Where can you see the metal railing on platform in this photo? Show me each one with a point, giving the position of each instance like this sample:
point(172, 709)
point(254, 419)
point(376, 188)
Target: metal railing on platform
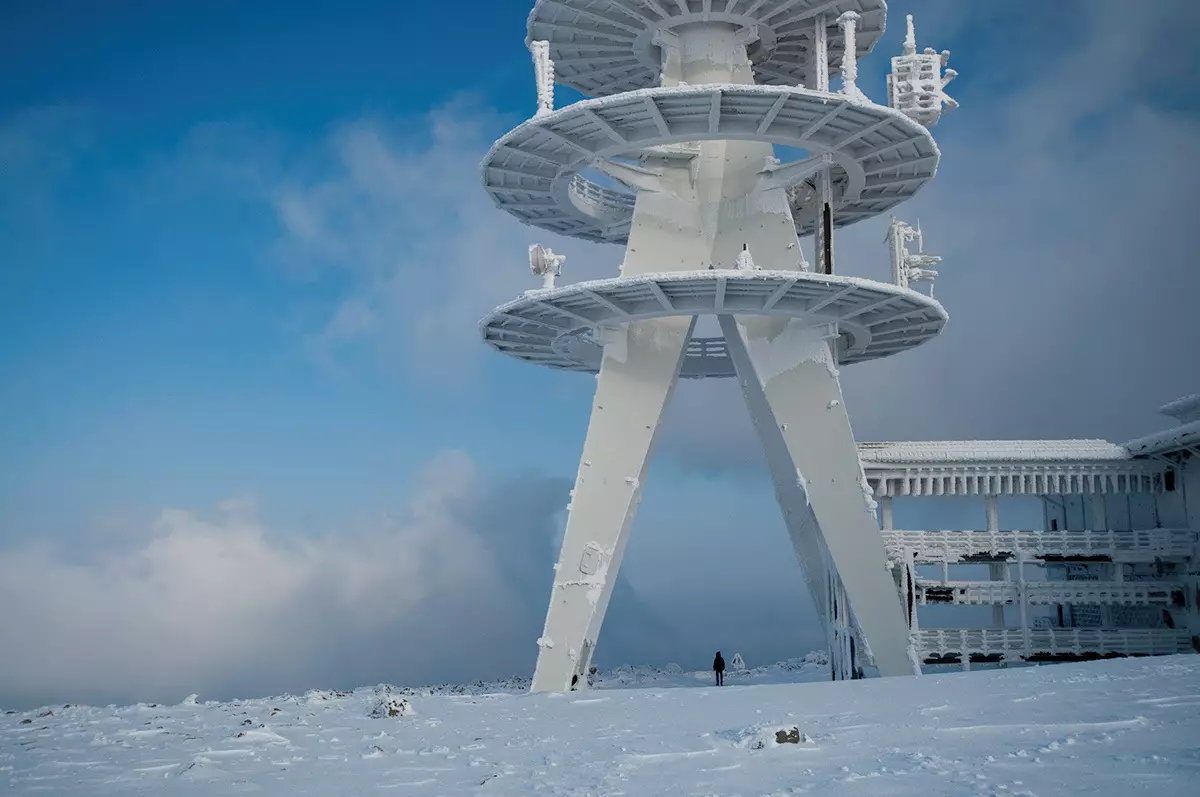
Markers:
point(1042, 593)
point(933, 547)
point(938, 643)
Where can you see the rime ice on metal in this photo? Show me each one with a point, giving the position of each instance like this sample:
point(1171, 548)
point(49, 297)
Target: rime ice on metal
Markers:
point(917, 84)
point(909, 267)
point(543, 70)
point(545, 264)
point(674, 157)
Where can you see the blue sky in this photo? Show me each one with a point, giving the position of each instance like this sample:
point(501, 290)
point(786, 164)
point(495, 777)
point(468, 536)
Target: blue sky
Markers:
point(242, 253)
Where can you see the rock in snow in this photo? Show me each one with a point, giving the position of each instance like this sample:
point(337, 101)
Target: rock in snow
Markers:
point(388, 706)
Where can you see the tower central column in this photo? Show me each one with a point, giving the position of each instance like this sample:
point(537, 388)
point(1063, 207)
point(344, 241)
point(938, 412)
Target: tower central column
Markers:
point(705, 52)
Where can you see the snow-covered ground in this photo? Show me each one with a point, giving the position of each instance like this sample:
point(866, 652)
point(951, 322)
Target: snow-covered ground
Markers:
point(1122, 727)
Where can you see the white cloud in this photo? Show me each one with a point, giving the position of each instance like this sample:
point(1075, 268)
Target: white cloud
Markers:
point(395, 210)
point(223, 603)
point(452, 588)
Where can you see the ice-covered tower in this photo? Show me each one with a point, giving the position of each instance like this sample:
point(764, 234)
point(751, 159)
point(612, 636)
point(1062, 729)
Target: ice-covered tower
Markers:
point(673, 157)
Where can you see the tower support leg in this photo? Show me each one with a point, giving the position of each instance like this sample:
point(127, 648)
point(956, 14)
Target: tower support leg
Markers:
point(637, 377)
point(792, 388)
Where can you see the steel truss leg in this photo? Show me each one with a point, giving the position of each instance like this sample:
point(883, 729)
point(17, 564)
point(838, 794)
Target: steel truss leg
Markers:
point(788, 376)
point(637, 377)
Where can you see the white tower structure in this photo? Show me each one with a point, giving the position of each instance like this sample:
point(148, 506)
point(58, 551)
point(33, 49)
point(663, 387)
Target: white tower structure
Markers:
point(688, 99)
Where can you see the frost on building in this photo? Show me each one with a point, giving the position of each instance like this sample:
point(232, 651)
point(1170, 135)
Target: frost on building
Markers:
point(1112, 570)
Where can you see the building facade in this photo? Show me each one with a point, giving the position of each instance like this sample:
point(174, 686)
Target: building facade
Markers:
point(1111, 572)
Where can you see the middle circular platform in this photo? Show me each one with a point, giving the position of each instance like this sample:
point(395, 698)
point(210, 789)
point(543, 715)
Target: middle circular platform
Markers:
point(559, 327)
point(881, 157)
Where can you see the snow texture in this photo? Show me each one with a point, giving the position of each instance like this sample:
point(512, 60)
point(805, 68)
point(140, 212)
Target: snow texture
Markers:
point(795, 345)
point(935, 451)
point(1115, 727)
point(802, 483)
point(390, 706)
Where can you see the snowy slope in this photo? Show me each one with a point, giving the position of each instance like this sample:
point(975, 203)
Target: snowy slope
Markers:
point(1105, 728)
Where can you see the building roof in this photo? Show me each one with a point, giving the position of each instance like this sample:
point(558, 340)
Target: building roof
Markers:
point(978, 451)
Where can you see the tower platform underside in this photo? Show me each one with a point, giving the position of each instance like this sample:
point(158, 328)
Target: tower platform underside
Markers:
point(565, 328)
point(537, 171)
point(607, 47)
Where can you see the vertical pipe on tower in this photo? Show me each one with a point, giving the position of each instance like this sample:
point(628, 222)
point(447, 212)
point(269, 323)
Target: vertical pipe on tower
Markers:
point(823, 238)
point(849, 22)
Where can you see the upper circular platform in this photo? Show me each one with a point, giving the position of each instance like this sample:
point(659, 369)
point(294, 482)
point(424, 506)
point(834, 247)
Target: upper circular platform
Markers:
point(881, 157)
point(603, 47)
point(559, 327)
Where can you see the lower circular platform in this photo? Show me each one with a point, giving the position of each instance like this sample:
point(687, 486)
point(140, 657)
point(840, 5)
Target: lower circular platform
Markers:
point(880, 156)
point(561, 328)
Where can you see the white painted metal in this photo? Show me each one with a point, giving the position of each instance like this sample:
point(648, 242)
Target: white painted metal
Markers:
point(790, 381)
point(634, 386)
point(712, 222)
point(559, 328)
point(608, 47)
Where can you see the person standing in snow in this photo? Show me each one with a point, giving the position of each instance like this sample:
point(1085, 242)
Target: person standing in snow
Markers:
point(719, 669)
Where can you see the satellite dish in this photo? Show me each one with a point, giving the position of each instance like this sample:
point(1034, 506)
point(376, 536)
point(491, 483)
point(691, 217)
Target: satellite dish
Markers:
point(545, 264)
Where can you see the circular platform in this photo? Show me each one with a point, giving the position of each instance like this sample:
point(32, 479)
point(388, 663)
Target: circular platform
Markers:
point(881, 157)
point(562, 327)
point(603, 47)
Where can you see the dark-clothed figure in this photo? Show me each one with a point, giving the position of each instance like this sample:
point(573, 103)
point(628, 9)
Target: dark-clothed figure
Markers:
point(719, 669)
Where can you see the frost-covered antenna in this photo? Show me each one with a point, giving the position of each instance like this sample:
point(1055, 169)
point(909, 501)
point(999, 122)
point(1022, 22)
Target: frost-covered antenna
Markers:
point(910, 38)
point(545, 264)
point(543, 70)
point(909, 267)
point(916, 86)
point(849, 24)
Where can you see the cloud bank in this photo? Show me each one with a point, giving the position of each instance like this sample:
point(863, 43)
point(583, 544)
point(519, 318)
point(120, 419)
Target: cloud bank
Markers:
point(451, 588)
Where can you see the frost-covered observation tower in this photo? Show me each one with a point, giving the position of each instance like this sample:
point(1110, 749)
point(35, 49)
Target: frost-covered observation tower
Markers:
point(674, 156)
